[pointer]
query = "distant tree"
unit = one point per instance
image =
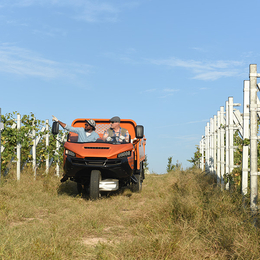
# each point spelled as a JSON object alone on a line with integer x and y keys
{"x": 195, "y": 160}
{"x": 170, "y": 166}
{"x": 145, "y": 163}
{"x": 178, "y": 165}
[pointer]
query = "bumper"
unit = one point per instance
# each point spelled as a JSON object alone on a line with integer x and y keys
{"x": 80, "y": 168}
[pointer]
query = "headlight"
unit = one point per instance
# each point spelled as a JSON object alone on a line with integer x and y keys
{"x": 124, "y": 154}
{"x": 70, "y": 153}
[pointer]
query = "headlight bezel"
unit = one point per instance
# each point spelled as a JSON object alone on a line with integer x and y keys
{"x": 124, "y": 154}
{"x": 70, "y": 153}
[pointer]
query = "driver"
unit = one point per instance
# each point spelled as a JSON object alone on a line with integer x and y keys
{"x": 115, "y": 132}
{"x": 86, "y": 134}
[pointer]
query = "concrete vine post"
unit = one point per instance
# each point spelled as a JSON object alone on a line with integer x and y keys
{"x": 47, "y": 145}
{"x": 214, "y": 157}
{"x": 211, "y": 147}
{"x": 227, "y": 143}
{"x": 245, "y": 136}
{"x": 18, "y": 149}
{"x": 253, "y": 138}
{"x": 222, "y": 147}
{"x": 202, "y": 148}
{"x": 207, "y": 147}
{"x": 218, "y": 147}
{"x": 57, "y": 152}
{"x": 34, "y": 150}
{"x": 231, "y": 134}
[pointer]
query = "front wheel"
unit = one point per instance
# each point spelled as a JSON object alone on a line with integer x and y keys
{"x": 95, "y": 178}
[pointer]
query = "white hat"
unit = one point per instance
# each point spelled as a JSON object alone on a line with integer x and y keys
{"x": 91, "y": 122}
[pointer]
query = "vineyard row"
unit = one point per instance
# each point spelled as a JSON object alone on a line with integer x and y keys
{"x": 28, "y": 142}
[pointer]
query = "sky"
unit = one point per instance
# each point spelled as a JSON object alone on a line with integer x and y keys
{"x": 168, "y": 65}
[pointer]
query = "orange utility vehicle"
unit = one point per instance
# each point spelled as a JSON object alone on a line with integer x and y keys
{"x": 102, "y": 166}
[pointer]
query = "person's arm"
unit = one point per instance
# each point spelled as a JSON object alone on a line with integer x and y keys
{"x": 54, "y": 118}
{"x": 125, "y": 137}
{"x": 62, "y": 124}
{"x": 105, "y": 135}
{"x": 67, "y": 127}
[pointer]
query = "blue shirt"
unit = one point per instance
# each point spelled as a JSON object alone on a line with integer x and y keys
{"x": 83, "y": 138}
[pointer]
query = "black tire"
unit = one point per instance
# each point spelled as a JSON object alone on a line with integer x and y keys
{"x": 79, "y": 188}
{"x": 137, "y": 187}
{"x": 94, "y": 184}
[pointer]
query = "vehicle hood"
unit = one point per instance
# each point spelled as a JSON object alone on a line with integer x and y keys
{"x": 106, "y": 150}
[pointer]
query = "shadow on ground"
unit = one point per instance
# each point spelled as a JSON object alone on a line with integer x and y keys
{"x": 70, "y": 188}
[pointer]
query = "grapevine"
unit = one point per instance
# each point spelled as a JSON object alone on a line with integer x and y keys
{"x": 10, "y": 136}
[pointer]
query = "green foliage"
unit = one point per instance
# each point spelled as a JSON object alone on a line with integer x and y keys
{"x": 238, "y": 141}
{"x": 246, "y": 141}
{"x": 10, "y": 136}
{"x": 197, "y": 155}
{"x": 170, "y": 167}
{"x": 178, "y": 166}
{"x": 235, "y": 177}
{"x": 145, "y": 164}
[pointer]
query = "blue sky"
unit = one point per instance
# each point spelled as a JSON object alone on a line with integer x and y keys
{"x": 169, "y": 65}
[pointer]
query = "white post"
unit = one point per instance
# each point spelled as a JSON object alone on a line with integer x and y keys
{"x": 214, "y": 144}
{"x": 57, "y": 152}
{"x": 222, "y": 147}
{"x": 202, "y": 146}
{"x": 227, "y": 142}
{"x": 211, "y": 146}
{"x": 34, "y": 150}
{"x": 245, "y": 136}
{"x": 47, "y": 145}
{"x": 253, "y": 138}
{"x": 18, "y": 150}
{"x": 231, "y": 134}
{"x": 218, "y": 147}
{"x": 207, "y": 147}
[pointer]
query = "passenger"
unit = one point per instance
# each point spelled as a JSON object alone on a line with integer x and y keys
{"x": 85, "y": 134}
{"x": 115, "y": 132}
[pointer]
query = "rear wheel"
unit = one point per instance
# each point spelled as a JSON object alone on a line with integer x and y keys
{"x": 137, "y": 187}
{"x": 95, "y": 178}
{"x": 139, "y": 176}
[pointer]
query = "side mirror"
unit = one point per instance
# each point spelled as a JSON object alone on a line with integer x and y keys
{"x": 55, "y": 128}
{"x": 139, "y": 131}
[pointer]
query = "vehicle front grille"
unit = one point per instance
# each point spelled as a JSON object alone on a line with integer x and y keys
{"x": 96, "y": 161}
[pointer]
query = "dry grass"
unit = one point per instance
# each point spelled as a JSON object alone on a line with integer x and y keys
{"x": 180, "y": 215}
